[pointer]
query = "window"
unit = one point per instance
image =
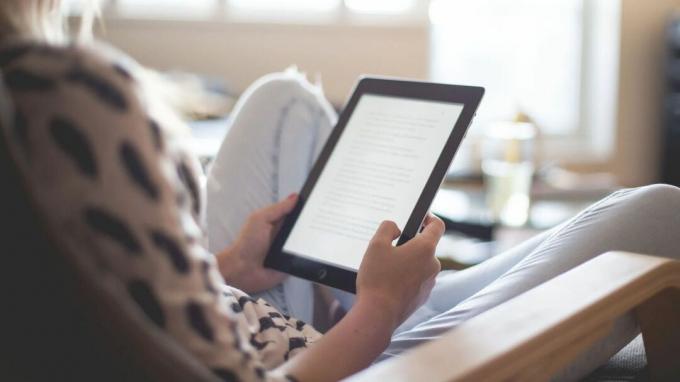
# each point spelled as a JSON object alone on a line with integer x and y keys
{"x": 288, "y": 6}
{"x": 382, "y": 7}
{"x": 526, "y": 53}
{"x": 555, "y": 61}
{"x": 194, "y": 9}
{"x": 275, "y": 11}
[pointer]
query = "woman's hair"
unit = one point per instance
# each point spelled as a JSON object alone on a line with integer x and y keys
{"x": 44, "y": 20}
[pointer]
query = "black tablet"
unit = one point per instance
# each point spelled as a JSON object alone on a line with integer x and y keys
{"x": 384, "y": 160}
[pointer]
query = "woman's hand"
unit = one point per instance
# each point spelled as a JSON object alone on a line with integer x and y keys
{"x": 392, "y": 283}
{"x": 400, "y": 279}
{"x": 241, "y": 264}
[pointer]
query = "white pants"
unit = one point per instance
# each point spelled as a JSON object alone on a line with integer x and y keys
{"x": 278, "y": 128}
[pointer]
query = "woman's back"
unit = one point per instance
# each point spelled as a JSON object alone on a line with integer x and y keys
{"x": 115, "y": 192}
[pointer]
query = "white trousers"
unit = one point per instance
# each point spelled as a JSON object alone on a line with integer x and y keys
{"x": 278, "y": 128}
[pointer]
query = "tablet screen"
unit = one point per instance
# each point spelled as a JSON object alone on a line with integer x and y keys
{"x": 377, "y": 171}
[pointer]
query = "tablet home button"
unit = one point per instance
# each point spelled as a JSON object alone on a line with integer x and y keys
{"x": 322, "y": 273}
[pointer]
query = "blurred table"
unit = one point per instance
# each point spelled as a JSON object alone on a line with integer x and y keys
{"x": 472, "y": 237}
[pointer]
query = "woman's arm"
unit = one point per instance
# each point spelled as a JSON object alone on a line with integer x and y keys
{"x": 392, "y": 283}
{"x": 241, "y": 263}
{"x": 349, "y": 347}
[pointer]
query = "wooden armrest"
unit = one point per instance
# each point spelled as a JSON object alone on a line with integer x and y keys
{"x": 536, "y": 334}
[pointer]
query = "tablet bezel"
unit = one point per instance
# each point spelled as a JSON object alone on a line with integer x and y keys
{"x": 323, "y": 273}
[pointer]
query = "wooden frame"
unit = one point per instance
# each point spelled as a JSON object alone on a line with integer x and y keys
{"x": 536, "y": 334}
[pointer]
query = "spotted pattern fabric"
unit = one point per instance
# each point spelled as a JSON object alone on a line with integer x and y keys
{"x": 116, "y": 188}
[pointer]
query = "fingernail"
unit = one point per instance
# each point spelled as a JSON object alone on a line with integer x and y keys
{"x": 291, "y": 196}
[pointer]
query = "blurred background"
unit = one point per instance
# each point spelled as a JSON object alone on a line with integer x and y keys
{"x": 581, "y": 95}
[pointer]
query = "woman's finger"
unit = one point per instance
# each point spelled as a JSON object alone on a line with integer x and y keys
{"x": 433, "y": 228}
{"x": 427, "y": 240}
{"x": 387, "y": 232}
{"x": 276, "y": 211}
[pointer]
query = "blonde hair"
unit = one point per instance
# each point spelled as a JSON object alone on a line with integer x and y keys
{"x": 44, "y": 20}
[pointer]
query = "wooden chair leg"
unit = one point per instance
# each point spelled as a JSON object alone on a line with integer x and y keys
{"x": 659, "y": 320}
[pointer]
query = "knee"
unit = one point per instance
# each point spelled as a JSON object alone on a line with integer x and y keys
{"x": 283, "y": 89}
{"x": 655, "y": 200}
{"x": 289, "y": 83}
{"x": 658, "y": 194}
{"x": 282, "y": 99}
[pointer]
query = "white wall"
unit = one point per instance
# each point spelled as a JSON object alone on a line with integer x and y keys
{"x": 234, "y": 51}
{"x": 641, "y": 84}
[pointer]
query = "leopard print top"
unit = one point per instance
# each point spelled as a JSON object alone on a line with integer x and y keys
{"x": 116, "y": 189}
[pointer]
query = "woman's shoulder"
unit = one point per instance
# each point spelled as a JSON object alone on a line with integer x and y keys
{"x": 50, "y": 58}
{"x": 101, "y": 93}
{"x": 94, "y": 73}
{"x": 45, "y": 72}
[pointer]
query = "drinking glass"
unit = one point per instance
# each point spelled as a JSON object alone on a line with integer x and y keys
{"x": 508, "y": 168}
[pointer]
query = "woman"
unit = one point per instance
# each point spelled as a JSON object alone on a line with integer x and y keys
{"x": 103, "y": 157}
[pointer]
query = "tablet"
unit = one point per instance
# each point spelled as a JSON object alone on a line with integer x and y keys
{"x": 384, "y": 160}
